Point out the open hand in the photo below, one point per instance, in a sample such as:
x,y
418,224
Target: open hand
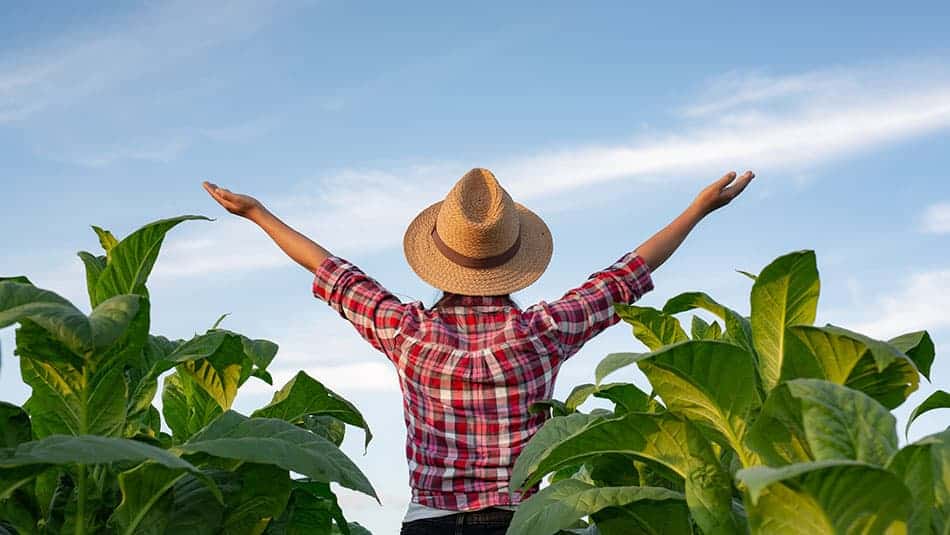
x,y
242,205
721,193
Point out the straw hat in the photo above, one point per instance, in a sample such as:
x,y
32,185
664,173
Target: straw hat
x,y
478,241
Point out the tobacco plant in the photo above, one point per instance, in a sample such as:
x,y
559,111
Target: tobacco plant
x,y
765,424
87,452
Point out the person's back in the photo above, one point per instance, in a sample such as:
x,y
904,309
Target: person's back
x,y
471,367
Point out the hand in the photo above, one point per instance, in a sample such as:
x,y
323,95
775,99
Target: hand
x,y
720,193
242,205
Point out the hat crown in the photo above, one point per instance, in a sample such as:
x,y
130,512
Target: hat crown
x,y
478,218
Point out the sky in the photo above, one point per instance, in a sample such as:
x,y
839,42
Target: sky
x,y
347,118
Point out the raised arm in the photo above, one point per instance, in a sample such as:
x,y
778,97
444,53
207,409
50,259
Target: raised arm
x,y
300,248
656,250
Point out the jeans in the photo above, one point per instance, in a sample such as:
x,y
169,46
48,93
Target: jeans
x,y
490,521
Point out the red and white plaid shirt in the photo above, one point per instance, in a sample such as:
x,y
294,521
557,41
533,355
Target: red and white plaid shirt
x,y
470,369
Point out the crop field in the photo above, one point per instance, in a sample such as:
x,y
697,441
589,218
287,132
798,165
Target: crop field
x,y
766,424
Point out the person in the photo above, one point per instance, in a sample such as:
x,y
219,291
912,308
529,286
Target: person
x,y
471,365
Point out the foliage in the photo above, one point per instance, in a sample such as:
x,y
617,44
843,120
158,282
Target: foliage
x,y
87,452
764,424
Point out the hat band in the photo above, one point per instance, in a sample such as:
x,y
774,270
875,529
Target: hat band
x,y
471,262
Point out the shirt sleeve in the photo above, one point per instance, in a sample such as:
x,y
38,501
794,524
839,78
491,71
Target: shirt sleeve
x,y
362,300
585,311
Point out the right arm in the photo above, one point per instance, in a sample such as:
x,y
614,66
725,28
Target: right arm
x,y
587,310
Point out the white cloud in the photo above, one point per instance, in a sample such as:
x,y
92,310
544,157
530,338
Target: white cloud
x,y
378,375
921,303
783,127
936,218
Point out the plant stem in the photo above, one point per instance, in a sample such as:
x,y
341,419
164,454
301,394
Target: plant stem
x,y
81,502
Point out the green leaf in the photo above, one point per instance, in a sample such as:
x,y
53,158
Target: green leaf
x,y
94,266
131,260
66,323
711,383
106,240
747,274
146,501
187,407
312,508
578,396
738,328
87,449
551,407
273,441
560,505
216,361
938,400
652,327
924,466
110,320
613,362
261,495
14,425
825,497
549,437
664,441
919,347
303,396
701,330
811,419
784,294
627,397
841,356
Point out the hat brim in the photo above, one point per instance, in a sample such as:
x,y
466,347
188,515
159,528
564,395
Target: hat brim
x,y
525,267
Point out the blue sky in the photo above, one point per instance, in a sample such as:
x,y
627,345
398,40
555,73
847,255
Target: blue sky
x,y
348,118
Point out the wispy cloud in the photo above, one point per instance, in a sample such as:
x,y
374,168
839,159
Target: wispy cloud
x,y
936,218
84,64
782,128
921,303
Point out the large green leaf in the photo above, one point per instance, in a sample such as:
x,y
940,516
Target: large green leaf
x,y
88,449
261,495
938,400
924,466
131,260
785,293
825,498
66,401
187,407
560,505
738,328
627,398
919,347
66,323
549,437
146,501
613,362
303,396
14,425
312,508
811,419
217,362
94,266
711,383
651,326
664,441
876,368
273,441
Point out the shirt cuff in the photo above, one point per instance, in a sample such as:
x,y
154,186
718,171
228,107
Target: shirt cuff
x,y
326,276
635,273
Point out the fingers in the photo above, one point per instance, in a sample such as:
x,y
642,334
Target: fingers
x,y
725,180
734,190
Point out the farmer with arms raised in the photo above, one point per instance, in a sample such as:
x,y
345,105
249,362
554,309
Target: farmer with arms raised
x,y
471,365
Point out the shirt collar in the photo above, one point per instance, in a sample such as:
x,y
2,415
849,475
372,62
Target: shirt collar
x,y
495,301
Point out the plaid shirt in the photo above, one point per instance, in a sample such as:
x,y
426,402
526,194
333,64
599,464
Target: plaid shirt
x,y
470,369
